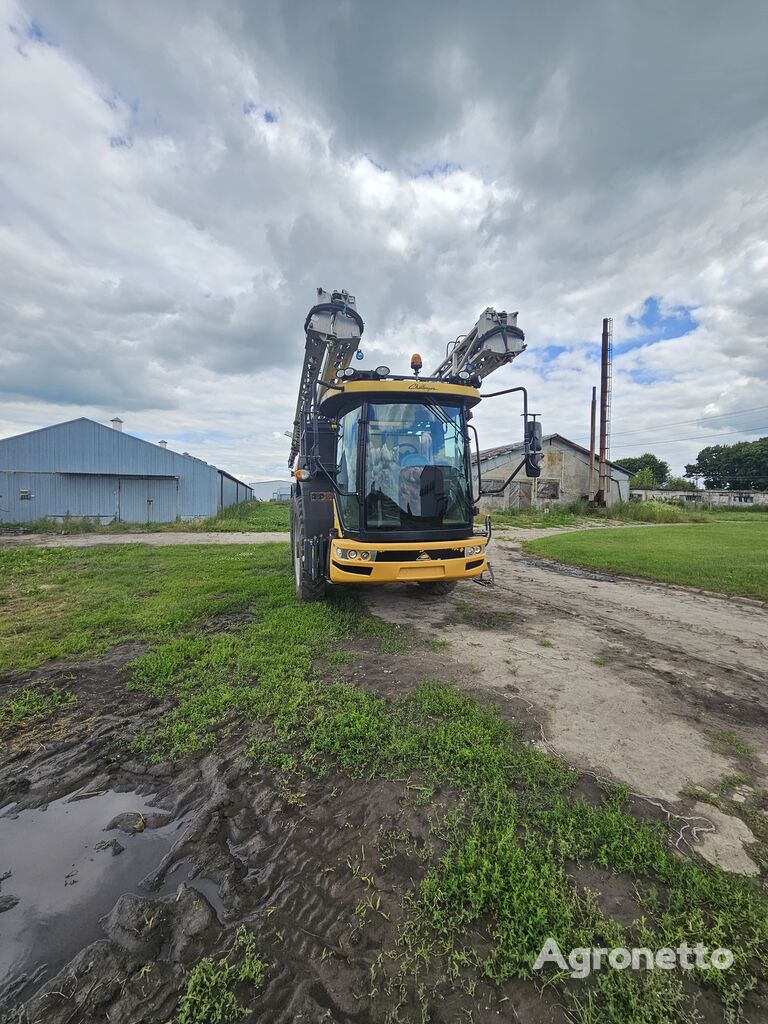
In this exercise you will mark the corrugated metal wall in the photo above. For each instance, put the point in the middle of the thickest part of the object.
(231, 490)
(83, 468)
(25, 497)
(148, 500)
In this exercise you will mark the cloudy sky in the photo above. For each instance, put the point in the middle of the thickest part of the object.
(177, 178)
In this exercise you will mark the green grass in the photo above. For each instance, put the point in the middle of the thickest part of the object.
(78, 602)
(500, 887)
(245, 517)
(727, 557)
(580, 514)
(210, 996)
(31, 702)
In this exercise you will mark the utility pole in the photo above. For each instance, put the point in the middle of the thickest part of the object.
(592, 412)
(605, 404)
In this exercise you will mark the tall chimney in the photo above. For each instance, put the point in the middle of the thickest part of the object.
(117, 423)
(601, 498)
(590, 486)
(163, 444)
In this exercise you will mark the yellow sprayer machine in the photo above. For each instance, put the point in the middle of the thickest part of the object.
(384, 489)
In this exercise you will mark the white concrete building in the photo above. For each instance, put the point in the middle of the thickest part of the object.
(738, 499)
(564, 476)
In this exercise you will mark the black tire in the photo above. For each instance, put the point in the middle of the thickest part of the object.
(307, 589)
(436, 587)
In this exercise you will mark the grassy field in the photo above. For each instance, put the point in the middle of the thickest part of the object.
(727, 557)
(245, 517)
(629, 512)
(500, 888)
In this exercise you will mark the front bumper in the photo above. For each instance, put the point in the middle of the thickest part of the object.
(400, 563)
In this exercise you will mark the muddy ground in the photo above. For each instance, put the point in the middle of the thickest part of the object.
(139, 871)
(126, 875)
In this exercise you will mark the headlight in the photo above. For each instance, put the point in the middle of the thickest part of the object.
(354, 553)
(475, 549)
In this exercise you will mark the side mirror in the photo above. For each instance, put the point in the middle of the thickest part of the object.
(533, 435)
(533, 444)
(533, 464)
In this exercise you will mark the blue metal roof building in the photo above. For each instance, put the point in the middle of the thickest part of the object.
(85, 469)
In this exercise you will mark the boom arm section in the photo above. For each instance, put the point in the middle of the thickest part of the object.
(332, 333)
(494, 341)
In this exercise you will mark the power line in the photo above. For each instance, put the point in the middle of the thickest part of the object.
(700, 419)
(680, 440)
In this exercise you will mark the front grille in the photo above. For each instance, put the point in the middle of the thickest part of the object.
(413, 555)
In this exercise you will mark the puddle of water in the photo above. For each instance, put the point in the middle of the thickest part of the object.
(64, 882)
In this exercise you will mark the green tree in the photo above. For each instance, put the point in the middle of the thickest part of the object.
(643, 480)
(679, 483)
(634, 464)
(736, 467)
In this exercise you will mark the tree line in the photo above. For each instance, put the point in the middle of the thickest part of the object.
(733, 467)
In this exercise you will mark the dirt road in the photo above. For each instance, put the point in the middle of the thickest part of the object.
(661, 688)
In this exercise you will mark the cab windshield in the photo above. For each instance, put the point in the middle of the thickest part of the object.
(415, 467)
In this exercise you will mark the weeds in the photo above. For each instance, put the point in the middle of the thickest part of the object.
(468, 614)
(725, 739)
(210, 996)
(32, 703)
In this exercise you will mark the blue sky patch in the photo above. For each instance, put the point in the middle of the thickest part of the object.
(34, 30)
(658, 325)
(438, 170)
(550, 352)
(269, 116)
(644, 376)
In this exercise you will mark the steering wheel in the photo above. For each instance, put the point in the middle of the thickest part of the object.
(412, 457)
